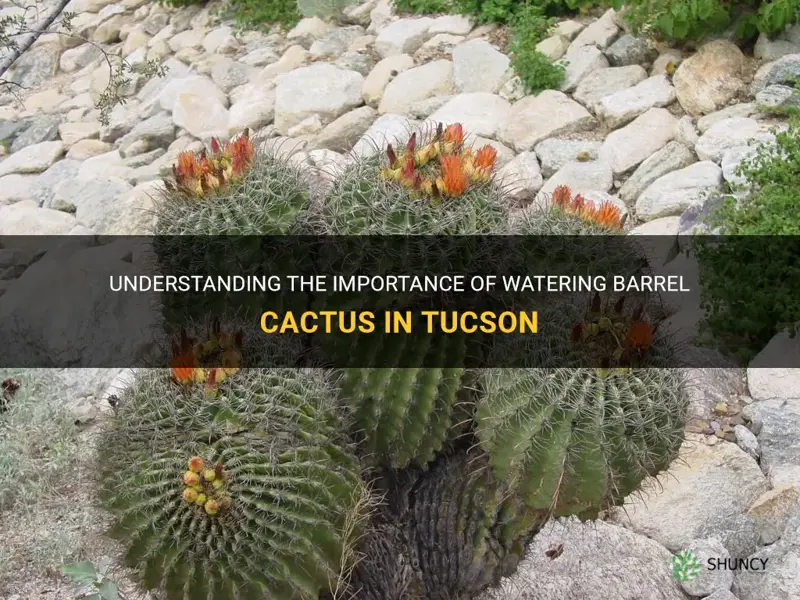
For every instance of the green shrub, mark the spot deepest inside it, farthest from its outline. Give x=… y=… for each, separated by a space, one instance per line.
x=695 y=19
x=262 y=14
x=743 y=318
x=535 y=69
x=324 y=9
x=423 y=7
x=182 y=3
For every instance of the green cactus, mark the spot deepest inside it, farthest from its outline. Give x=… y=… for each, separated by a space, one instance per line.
x=292 y=485
x=577 y=441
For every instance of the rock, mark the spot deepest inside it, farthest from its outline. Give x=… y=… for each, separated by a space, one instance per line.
x=768 y=50
x=404 y=36
x=581 y=177
x=569 y=29
x=747 y=441
x=599 y=34
x=39 y=188
x=91 y=330
x=629 y=50
x=780 y=450
x=219 y=40
x=26 y=218
x=727 y=134
x=686 y=134
x=199 y=86
x=38 y=64
x=425 y=108
x=308 y=30
x=696 y=498
x=536 y=118
x=121 y=120
x=708 y=580
x=355 y=61
x=191 y=38
x=674 y=192
x=735 y=110
x=72 y=133
x=593 y=550
x=504 y=154
x=428 y=80
x=43 y=129
x=342 y=134
x=157 y=132
x=387 y=129
x=782 y=70
x=478 y=67
x=554 y=153
x=255 y=110
x=439 y=46
x=780 y=579
x=335 y=42
x=580 y=62
x=380 y=15
x=624 y=106
x=765 y=383
x=776 y=95
x=32 y=159
x=79 y=57
x=260 y=57
x=480 y=113
x=228 y=74
x=15 y=188
x=105 y=165
x=626 y=148
x=359 y=14
x=133 y=212
x=521 y=177
x=672 y=157
x=452 y=24
x=307 y=127
x=707 y=387
x=294 y=57
x=708 y=80
x=381 y=74
x=321 y=89
x=605 y=82
x=721 y=595
x=554 y=47
x=90 y=199
x=773 y=510
x=200 y=117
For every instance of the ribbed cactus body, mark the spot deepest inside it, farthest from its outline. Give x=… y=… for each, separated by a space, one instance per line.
x=576 y=441
x=404 y=415
x=291 y=482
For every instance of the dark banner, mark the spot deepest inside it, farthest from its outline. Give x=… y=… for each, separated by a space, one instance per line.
x=395 y=302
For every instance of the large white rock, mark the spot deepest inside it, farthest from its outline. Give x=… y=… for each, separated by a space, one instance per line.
x=708 y=80
x=404 y=36
x=627 y=147
x=604 y=82
x=32 y=159
x=536 y=118
x=670 y=158
x=521 y=178
x=381 y=74
x=321 y=89
x=600 y=33
x=342 y=134
x=554 y=153
x=727 y=134
x=765 y=381
x=201 y=118
x=387 y=129
x=196 y=85
x=624 y=106
x=252 y=110
x=480 y=113
x=580 y=62
x=582 y=177
x=701 y=495
x=26 y=218
x=478 y=67
x=673 y=193
x=428 y=80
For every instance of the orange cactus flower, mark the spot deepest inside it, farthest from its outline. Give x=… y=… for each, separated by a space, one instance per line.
x=578 y=205
x=182 y=367
x=454 y=179
x=608 y=215
x=640 y=335
x=562 y=196
x=454 y=134
x=485 y=158
x=242 y=153
x=196 y=464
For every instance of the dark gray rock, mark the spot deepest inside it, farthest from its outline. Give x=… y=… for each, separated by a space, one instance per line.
x=630 y=50
x=40 y=129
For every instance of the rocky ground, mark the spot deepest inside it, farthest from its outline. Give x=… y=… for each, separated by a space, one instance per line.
x=624 y=128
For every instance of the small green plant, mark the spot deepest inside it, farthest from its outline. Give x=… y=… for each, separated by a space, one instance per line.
x=743 y=318
x=93 y=580
x=534 y=68
x=423 y=7
x=262 y=14
x=324 y=9
x=182 y=3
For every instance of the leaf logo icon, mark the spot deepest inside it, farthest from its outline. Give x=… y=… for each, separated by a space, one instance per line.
x=685 y=566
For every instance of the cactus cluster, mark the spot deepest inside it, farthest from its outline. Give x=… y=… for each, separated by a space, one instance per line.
x=467 y=464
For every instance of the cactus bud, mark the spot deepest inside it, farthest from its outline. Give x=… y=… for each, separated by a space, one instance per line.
x=211 y=507
x=191 y=478
x=209 y=475
x=197 y=487
x=201 y=499
x=196 y=464
x=217 y=483
x=604 y=323
x=189 y=495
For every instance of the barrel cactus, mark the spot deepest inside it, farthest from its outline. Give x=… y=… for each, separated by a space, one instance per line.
x=246 y=493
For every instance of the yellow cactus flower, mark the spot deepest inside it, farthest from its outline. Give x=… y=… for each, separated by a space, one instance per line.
x=211 y=507
x=217 y=484
x=201 y=499
x=196 y=464
x=191 y=478
x=189 y=495
x=209 y=475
